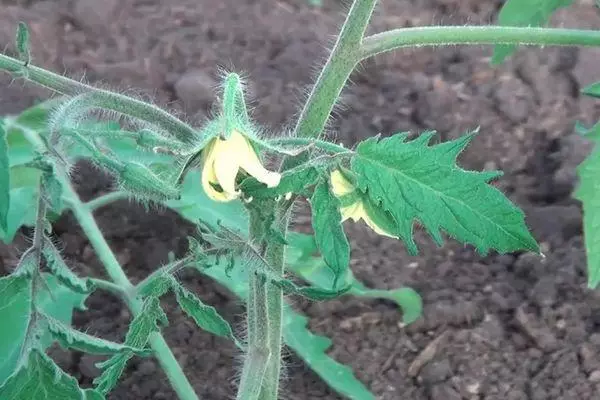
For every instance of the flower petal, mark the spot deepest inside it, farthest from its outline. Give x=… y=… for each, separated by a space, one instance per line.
x=375 y=227
x=208 y=173
x=353 y=211
x=340 y=185
x=248 y=161
x=227 y=168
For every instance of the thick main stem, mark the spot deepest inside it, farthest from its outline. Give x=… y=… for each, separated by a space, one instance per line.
x=335 y=73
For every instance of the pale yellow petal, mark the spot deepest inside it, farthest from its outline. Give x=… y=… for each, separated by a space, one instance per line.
x=340 y=185
x=208 y=173
x=227 y=168
x=248 y=161
x=354 y=211
x=375 y=227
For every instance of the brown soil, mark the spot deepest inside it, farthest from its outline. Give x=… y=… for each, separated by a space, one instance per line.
x=511 y=327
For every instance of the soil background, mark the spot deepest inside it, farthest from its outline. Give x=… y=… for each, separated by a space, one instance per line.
x=503 y=327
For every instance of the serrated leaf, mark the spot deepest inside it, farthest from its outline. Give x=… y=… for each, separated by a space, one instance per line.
x=524 y=13
x=4 y=180
x=155 y=287
x=54 y=191
x=303 y=263
x=70 y=338
x=414 y=181
x=588 y=193
x=144 y=324
x=15 y=314
x=41 y=379
x=21 y=211
x=61 y=270
x=206 y=317
x=329 y=234
x=308 y=346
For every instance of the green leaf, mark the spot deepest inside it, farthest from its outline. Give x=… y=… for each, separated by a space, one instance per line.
x=145 y=323
x=329 y=234
x=4 y=180
x=414 y=181
x=524 y=13
x=308 y=346
x=302 y=262
x=15 y=314
x=157 y=286
x=206 y=317
x=313 y=350
x=587 y=192
x=70 y=338
x=592 y=90
x=21 y=211
x=41 y=379
x=54 y=192
x=59 y=268
x=194 y=205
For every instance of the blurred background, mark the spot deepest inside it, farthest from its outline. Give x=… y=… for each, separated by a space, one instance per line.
x=510 y=327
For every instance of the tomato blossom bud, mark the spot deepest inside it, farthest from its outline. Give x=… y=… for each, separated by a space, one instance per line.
x=222 y=160
x=356 y=210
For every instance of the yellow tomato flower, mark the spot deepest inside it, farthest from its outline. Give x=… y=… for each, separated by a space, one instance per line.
x=355 y=211
x=223 y=159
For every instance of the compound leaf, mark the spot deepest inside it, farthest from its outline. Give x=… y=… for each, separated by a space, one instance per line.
x=144 y=324
x=414 y=181
x=4 y=180
x=41 y=379
x=524 y=13
x=206 y=317
x=329 y=234
x=61 y=270
x=70 y=338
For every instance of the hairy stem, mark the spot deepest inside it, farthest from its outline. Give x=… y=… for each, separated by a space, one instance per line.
x=322 y=144
x=84 y=217
x=335 y=73
x=475 y=35
x=106 y=199
x=99 y=97
x=275 y=257
x=258 y=357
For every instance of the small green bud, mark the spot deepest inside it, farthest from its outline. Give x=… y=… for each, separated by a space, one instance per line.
x=23 y=43
x=144 y=183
